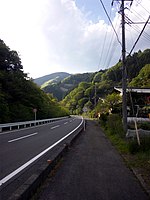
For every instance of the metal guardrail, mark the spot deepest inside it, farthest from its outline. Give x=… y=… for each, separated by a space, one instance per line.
x=18 y=125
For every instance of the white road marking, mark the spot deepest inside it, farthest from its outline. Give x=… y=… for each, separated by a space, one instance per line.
x=55 y=127
x=20 y=138
x=66 y=123
x=8 y=177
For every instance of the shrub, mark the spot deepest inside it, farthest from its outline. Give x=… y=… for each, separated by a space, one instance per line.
x=103 y=119
x=115 y=125
x=144 y=145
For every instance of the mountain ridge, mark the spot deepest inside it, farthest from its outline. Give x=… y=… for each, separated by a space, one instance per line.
x=43 y=79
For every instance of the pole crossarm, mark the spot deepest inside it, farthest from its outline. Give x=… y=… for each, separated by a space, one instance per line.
x=112 y=3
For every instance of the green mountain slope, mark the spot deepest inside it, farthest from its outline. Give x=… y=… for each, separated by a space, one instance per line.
x=50 y=79
x=59 y=90
x=87 y=94
x=104 y=79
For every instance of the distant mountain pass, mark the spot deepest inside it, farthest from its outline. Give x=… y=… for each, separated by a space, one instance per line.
x=51 y=79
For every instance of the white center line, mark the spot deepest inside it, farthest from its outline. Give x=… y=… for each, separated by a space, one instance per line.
x=20 y=138
x=55 y=127
x=66 y=123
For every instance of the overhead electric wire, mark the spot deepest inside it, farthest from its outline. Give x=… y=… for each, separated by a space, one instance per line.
x=113 y=45
x=137 y=28
x=108 y=48
x=102 y=50
x=110 y=21
x=142 y=6
x=139 y=36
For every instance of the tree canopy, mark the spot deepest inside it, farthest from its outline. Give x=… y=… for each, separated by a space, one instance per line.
x=19 y=95
x=99 y=91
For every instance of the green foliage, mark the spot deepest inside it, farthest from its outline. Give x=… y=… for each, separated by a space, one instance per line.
x=19 y=95
x=113 y=128
x=144 y=145
x=98 y=76
x=114 y=125
x=61 y=89
x=103 y=119
x=104 y=82
x=9 y=60
x=143 y=78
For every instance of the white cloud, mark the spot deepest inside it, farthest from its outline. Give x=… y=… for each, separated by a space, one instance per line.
x=56 y=35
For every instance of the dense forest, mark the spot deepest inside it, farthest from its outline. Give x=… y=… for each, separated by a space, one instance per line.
x=19 y=95
x=62 y=88
x=105 y=80
x=87 y=92
x=98 y=94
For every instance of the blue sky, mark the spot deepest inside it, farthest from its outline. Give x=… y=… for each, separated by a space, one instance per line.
x=71 y=36
x=94 y=8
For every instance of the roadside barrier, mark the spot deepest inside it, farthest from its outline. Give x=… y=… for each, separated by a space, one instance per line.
x=19 y=125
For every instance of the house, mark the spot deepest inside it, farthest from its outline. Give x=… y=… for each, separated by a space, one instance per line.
x=138 y=101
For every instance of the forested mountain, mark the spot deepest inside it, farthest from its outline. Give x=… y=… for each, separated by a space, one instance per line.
x=51 y=79
x=59 y=90
x=143 y=78
x=87 y=95
x=105 y=80
x=19 y=95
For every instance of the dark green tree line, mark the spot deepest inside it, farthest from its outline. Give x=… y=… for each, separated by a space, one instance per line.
x=19 y=95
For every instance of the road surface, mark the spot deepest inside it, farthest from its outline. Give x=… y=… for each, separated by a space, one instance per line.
x=21 y=148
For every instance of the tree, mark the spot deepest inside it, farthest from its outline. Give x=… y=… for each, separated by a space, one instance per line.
x=9 y=60
x=19 y=95
x=143 y=78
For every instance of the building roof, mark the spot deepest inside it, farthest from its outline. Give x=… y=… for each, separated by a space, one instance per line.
x=136 y=90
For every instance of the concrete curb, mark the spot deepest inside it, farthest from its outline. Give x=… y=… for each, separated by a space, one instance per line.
x=28 y=189
x=141 y=180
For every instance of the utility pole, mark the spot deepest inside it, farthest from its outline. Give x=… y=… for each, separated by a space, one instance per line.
x=95 y=95
x=124 y=75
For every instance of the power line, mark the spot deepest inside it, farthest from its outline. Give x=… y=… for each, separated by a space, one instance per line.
x=139 y=36
x=110 y=21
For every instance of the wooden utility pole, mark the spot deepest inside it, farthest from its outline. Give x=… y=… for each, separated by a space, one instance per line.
x=124 y=74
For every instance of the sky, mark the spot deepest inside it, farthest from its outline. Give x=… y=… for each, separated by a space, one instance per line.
x=73 y=36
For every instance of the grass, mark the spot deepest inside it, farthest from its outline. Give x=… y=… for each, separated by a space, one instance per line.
x=135 y=157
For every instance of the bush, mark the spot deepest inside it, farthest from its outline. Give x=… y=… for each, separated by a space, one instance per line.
x=114 y=125
x=103 y=119
x=145 y=126
x=144 y=146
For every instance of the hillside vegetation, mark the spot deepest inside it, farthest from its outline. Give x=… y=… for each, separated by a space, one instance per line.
x=51 y=79
x=87 y=92
x=89 y=95
x=105 y=80
x=61 y=89
x=19 y=95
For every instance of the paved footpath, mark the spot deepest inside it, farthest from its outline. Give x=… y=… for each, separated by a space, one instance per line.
x=92 y=170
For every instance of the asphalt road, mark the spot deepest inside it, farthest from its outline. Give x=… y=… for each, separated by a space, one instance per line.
x=20 y=148
x=92 y=170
